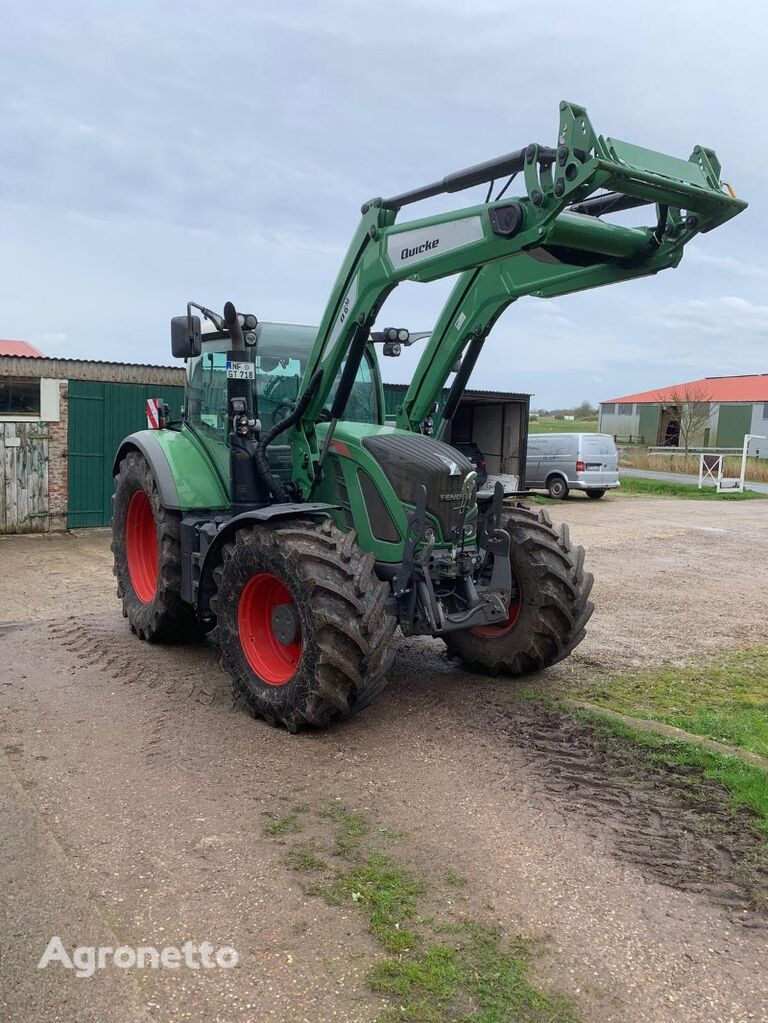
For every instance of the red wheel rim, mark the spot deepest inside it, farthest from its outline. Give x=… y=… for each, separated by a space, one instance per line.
x=271 y=660
x=141 y=547
x=502 y=628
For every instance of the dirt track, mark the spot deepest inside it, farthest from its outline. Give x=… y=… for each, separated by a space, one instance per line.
x=136 y=796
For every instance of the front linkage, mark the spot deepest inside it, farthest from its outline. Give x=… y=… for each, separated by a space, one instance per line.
x=418 y=609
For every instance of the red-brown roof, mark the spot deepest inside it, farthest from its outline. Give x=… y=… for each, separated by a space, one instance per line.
x=23 y=348
x=746 y=388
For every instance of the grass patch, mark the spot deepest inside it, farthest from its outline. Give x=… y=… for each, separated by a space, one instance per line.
x=661 y=488
x=548 y=425
x=288 y=825
x=352 y=828
x=724 y=699
x=757 y=468
x=639 y=487
x=387 y=893
x=746 y=785
x=475 y=979
x=304 y=857
x=439 y=968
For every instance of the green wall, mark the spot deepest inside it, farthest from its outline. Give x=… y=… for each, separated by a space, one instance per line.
x=648 y=426
x=733 y=422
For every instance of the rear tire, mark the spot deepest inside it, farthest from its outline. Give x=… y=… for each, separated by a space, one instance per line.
x=595 y=494
x=557 y=488
x=548 y=619
x=146 y=547
x=326 y=654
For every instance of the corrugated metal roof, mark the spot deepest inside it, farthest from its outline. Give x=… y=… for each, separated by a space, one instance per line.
x=21 y=349
x=87 y=362
x=752 y=387
x=469 y=392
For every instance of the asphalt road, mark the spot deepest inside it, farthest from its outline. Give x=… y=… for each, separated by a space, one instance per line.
x=681 y=477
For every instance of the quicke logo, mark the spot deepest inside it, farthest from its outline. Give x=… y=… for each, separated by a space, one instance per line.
x=427 y=246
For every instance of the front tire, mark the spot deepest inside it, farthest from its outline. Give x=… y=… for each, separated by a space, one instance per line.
x=302 y=621
x=549 y=613
x=146 y=546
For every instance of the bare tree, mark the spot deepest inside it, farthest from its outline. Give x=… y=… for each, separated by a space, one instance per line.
x=585 y=410
x=690 y=406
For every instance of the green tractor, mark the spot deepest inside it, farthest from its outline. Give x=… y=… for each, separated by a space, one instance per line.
x=283 y=513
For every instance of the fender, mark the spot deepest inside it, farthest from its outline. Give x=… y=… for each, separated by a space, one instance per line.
x=257 y=516
x=186 y=479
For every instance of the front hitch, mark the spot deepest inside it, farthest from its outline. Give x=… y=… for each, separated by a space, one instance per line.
x=418 y=608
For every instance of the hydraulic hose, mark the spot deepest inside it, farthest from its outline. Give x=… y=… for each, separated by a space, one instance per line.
x=260 y=460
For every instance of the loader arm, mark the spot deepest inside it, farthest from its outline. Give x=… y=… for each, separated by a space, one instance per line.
x=548 y=242
x=481 y=296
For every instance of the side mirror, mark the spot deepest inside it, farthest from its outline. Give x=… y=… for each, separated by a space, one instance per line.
x=186 y=337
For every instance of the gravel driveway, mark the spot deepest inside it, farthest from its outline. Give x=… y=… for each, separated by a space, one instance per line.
x=135 y=797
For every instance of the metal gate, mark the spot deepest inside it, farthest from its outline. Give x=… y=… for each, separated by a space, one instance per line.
x=23 y=477
x=100 y=416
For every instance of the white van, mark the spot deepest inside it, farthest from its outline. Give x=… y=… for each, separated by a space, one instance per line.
x=559 y=462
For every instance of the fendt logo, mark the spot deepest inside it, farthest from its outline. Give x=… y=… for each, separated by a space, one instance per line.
x=417 y=251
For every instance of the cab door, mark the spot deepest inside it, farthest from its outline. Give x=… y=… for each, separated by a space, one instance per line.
x=206 y=406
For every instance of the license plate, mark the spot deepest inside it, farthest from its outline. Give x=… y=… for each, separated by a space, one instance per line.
x=592 y=466
x=241 y=370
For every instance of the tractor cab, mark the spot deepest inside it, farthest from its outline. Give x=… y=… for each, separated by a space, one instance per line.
x=273 y=364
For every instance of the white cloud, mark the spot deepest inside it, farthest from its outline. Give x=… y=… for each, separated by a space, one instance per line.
x=725 y=263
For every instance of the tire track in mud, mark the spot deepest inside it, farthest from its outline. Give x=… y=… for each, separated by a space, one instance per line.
x=674 y=825
x=190 y=673
x=95 y=643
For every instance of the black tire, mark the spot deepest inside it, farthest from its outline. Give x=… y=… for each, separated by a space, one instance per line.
x=164 y=617
x=557 y=488
x=595 y=494
x=554 y=605
x=340 y=616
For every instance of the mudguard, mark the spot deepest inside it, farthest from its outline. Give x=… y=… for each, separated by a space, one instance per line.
x=221 y=534
x=186 y=478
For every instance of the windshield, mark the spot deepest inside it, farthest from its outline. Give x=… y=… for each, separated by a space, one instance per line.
x=279 y=359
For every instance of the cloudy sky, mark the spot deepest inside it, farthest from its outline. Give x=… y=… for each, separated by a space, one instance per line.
x=152 y=152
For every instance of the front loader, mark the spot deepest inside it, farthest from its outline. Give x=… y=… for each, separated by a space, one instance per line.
x=284 y=514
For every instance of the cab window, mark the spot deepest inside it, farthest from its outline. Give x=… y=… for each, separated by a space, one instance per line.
x=363 y=403
x=277 y=382
x=277 y=387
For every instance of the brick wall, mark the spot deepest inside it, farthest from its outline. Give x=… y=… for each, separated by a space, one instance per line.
x=57 y=463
